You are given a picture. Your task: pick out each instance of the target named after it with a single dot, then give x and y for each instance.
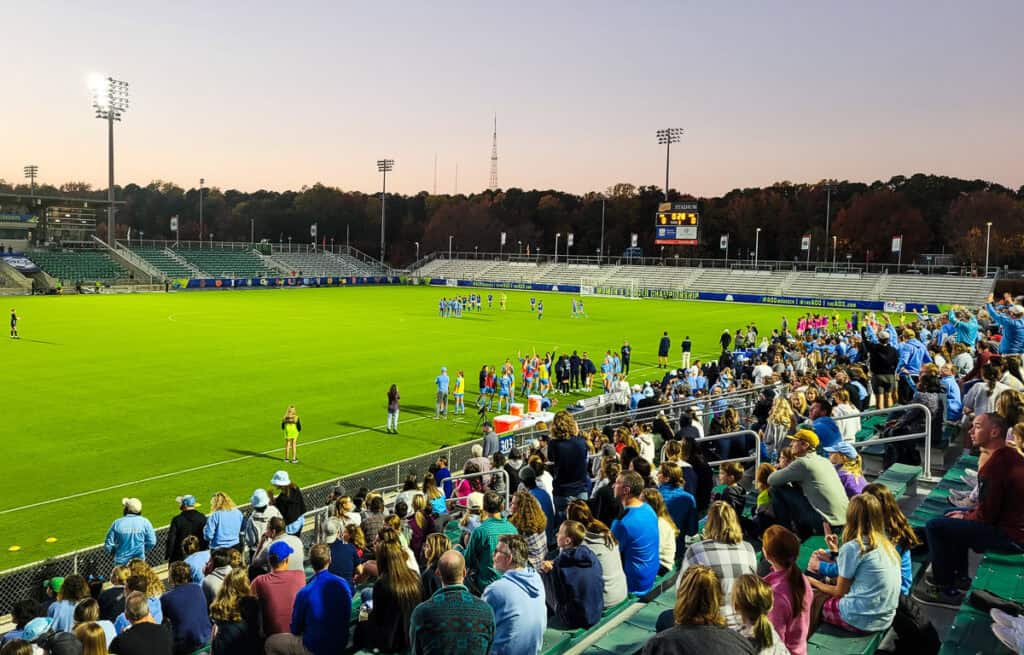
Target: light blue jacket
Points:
(913, 355)
(520, 612)
(1012, 329)
(223, 528)
(954, 403)
(966, 331)
(129, 537)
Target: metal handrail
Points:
(466, 476)
(927, 434)
(757, 447)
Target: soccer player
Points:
(490, 300)
(540, 310)
(533, 303)
(579, 307)
(14, 324)
(441, 405)
(505, 391)
(441, 307)
(502, 300)
(572, 314)
(459, 392)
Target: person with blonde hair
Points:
(93, 638)
(696, 625)
(779, 424)
(235, 614)
(291, 425)
(724, 551)
(437, 544)
(668, 532)
(396, 593)
(866, 593)
(224, 524)
(849, 466)
(568, 453)
(529, 519)
(753, 600)
(421, 524)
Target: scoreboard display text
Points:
(676, 224)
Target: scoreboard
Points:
(676, 224)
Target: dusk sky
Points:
(278, 95)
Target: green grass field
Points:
(159, 395)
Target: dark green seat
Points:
(625, 639)
(971, 633)
(557, 641)
(836, 641)
(903, 476)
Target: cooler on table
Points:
(506, 423)
(516, 409)
(533, 403)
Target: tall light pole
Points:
(417, 250)
(600, 252)
(110, 100)
(450, 239)
(757, 245)
(834, 253)
(668, 137)
(988, 238)
(828, 214)
(202, 183)
(383, 167)
(557, 236)
(31, 171)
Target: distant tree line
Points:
(934, 214)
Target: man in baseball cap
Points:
(808, 492)
(131, 535)
(276, 590)
(188, 523)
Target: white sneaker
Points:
(1011, 637)
(1004, 619)
(962, 503)
(970, 478)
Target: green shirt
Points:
(819, 482)
(480, 549)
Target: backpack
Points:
(914, 632)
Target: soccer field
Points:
(159, 395)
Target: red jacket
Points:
(1001, 488)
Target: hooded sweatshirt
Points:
(1012, 330)
(613, 578)
(579, 593)
(520, 612)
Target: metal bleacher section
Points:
(87, 265)
(942, 289)
(165, 261)
(226, 262)
(324, 263)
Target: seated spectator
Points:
(434, 496)
(752, 599)
(724, 552)
(235, 614)
(346, 562)
(23, 611)
(451, 621)
(145, 581)
(573, 581)
(695, 625)
(217, 569)
(395, 595)
(442, 475)
(637, 534)
(421, 524)
(479, 551)
(599, 539)
(436, 545)
(674, 452)
(807, 491)
(997, 524)
(848, 465)
(517, 598)
(130, 536)
(483, 464)
(668, 533)
(276, 590)
(529, 519)
(605, 506)
(184, 609)
(791, 608)
(866, 593)
(195, 558)
(824, 426)
(74, 589)
(224, 524)
(88, 611)
(843, 408)
(321, 614)
(276, 532)
(681, 504)
(145, 637)
(188, 523)
(256, 523)
(733, 494)
(92, 640)
(373, 518)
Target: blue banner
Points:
(283, 282)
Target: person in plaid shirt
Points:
(724, 552)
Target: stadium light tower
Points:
(668, 137)
(828, 215)
(988, 238)
(757, 245)
(558, 235)
(202, 182)
(110, 100)
(31, 172)
(383, 166)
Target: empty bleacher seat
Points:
(79, 265)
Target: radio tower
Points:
(494, 157)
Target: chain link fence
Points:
(27, 581)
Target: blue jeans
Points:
(562, 504)
(950, 539)
(793, 511)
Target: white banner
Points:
(897, 243)
(174, 223)
(723, 242)
(805, 242)
(895, 307)
(568, 240)
(633, 239)
(312, 230)
(503, 238)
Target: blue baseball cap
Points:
(280, 550)
(844, 448)
(36, 628)
(187, 501)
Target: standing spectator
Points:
(568, 453)
(664, 346)
(627, 352)
(74, 589)
(218, 569)
(819, 496)
(529, 519)
(452, 621)
(291, 425)
(188, 523)
(695, 625)
(289, 501)
(1011, 326)
(145, 637)
(393, 409)
(373, 519)
(724, 551)
(224, 525)
(130, 536)
(276, 590)
(396, 593)
(882, 360)
(753, 601)
(637, 534)
(517, 598)
(791, 610)
(482, 543)
(573, 584)
(528, 480)
(320, 615)
(184, 608)
(235, 615)
(490, 439)
(442, 474)
(256, 523)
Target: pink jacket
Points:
(792, 629)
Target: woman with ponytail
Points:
(982, 397)
(753, 600)
(791, 609)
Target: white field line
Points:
(188, 470)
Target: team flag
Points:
(723, 242)
(805, 242)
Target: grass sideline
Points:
(106, 390)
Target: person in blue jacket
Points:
(574, 580)
(130, 536)
(518, 600)
(1011, 325)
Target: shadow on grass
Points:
(360, 426)
(48, 343)
(253, 453)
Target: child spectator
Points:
(734, 495)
